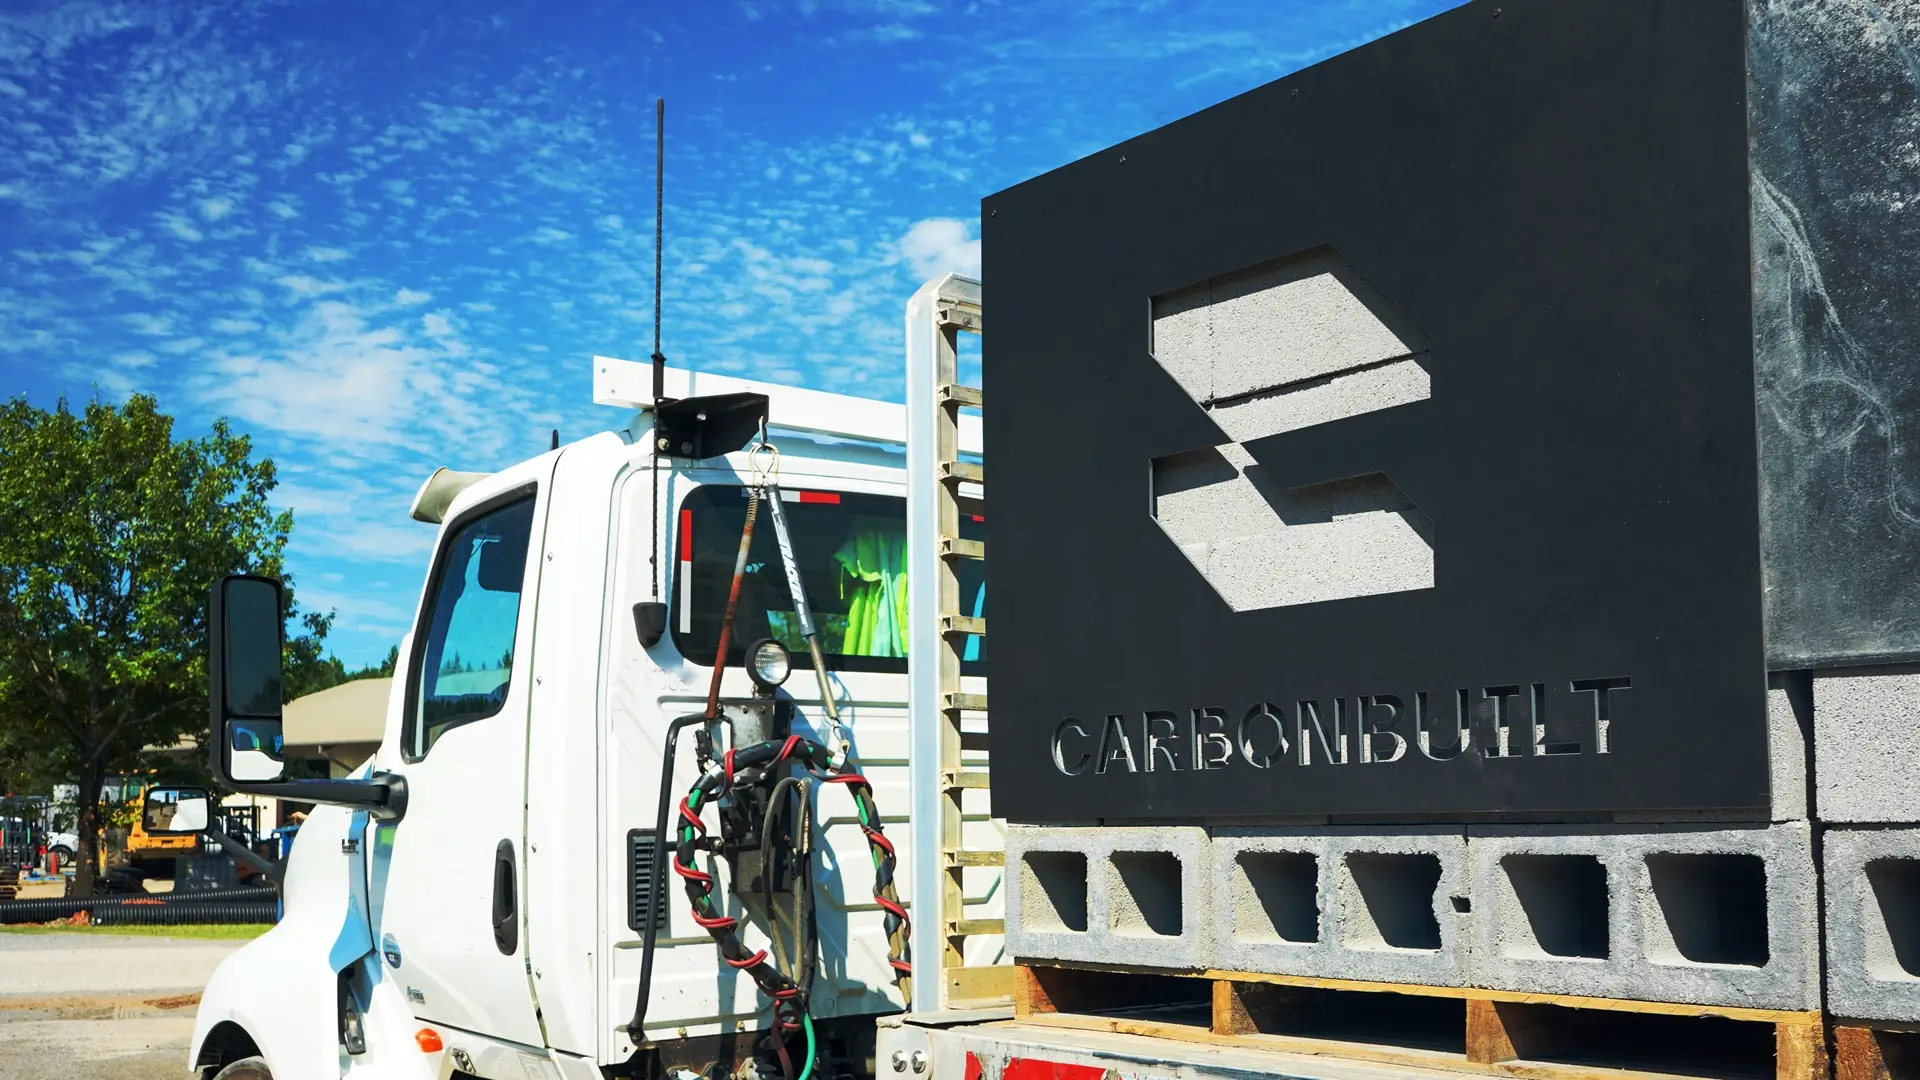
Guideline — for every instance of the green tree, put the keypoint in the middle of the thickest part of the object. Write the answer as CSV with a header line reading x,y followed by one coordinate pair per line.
x,y
111,533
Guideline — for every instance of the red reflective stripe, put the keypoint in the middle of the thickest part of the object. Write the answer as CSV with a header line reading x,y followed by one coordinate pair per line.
x,y
1030,1069
829,497
686,536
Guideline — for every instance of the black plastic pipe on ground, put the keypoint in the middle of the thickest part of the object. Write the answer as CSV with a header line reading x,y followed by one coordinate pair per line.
x,y
187,914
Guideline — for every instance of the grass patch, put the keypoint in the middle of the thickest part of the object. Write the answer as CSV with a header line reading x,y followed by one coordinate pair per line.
x,y
237,932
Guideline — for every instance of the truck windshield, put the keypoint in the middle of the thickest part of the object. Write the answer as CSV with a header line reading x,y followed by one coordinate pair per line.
x,y
853,559
466,655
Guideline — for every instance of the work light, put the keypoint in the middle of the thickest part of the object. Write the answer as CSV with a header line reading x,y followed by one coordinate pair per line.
x,y
768,664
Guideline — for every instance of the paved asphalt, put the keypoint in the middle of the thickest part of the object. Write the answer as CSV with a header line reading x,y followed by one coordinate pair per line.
x,y
99,1007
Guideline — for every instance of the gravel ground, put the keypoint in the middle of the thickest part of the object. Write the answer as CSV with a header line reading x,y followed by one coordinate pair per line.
x,y
100,1007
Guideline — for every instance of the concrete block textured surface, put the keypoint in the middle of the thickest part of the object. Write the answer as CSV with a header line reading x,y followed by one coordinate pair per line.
x,y
1872,882
1260,546
1111,895
1287,321
1353,903
1685,913
1866,767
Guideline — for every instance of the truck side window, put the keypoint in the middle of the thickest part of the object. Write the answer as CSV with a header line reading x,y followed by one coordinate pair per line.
x,y
465,660
852,553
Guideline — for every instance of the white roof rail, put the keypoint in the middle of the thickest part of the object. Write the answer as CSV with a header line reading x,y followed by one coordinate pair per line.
x,y
628,384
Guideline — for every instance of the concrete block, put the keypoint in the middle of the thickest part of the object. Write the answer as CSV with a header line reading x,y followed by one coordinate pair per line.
x,y
1297,319
1688,913
1260,546
1872,882
1866,766
1322,401
1110,895
1351,903
1181,339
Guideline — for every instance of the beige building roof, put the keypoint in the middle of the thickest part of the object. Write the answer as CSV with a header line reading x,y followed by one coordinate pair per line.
x,y
352,712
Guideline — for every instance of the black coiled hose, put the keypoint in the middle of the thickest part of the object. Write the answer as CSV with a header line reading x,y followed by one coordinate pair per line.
x,y
188,913
47,910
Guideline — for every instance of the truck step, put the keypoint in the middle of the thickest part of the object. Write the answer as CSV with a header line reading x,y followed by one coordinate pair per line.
x,y
1462,1029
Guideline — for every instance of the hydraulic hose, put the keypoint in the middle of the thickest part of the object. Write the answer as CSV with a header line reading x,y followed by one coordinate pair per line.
x,y
651,934
733,604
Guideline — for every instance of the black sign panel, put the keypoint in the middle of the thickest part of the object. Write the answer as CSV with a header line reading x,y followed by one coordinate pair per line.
x,y
1545,203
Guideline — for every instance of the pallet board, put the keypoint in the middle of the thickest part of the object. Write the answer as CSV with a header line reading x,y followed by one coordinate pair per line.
x,y
1875,1050
1538,1036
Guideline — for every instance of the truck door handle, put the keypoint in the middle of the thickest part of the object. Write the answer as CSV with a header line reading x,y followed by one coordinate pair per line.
x,y
506,912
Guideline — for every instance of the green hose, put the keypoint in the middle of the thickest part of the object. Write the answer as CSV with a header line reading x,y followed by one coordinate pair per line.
x,y
807,1022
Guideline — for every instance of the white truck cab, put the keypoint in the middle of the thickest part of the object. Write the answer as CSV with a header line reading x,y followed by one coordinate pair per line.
x,y
475,901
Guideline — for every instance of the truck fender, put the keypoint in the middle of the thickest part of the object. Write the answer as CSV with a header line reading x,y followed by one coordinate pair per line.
x,y
279,994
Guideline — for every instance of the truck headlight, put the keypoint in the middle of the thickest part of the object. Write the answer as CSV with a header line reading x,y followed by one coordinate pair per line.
x,y
768,664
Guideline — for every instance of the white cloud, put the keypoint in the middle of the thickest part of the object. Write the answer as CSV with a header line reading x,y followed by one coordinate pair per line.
x,y
283,209
181,226
235,326
547,234
938,246
216,208
326,254
411,297
302,285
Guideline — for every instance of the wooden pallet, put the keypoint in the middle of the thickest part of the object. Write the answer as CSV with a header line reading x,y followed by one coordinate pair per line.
x,y
1538,1036
9,882
1875,1050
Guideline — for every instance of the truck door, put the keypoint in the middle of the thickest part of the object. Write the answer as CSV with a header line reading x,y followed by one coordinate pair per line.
x,y
452,921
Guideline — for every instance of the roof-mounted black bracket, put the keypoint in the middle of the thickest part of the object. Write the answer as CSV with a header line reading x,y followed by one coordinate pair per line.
x,y
708,427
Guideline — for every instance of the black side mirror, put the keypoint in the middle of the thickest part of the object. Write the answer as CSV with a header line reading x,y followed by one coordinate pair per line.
x,y
245,625
175,811
244,630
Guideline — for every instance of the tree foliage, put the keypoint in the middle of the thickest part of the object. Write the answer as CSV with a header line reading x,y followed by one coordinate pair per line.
x,y
111,532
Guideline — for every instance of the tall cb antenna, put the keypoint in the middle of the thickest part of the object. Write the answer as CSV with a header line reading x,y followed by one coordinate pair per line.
x,y
650,616
659,231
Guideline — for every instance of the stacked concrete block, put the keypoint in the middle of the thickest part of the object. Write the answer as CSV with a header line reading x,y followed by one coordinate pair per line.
x,y
1867,791
1867,769
1379,904
1872,882
1108,895
1688,913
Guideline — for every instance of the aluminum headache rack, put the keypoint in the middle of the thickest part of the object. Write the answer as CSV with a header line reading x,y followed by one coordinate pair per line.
x,y
945,762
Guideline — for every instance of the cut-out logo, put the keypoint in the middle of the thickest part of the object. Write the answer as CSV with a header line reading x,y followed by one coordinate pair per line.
x,y
1267,351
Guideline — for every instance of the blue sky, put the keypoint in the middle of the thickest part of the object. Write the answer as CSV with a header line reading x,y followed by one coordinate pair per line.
x,y
383,237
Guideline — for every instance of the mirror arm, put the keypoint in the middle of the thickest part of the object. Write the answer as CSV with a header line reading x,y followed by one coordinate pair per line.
x,y
384,795
275,872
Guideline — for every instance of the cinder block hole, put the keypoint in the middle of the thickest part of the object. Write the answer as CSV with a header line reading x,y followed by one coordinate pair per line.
x,y
1167,999
1714,907
1276,896
1644,1042
1428,1023
1896,894
1564,901
1053,891
1146,893
1395,909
